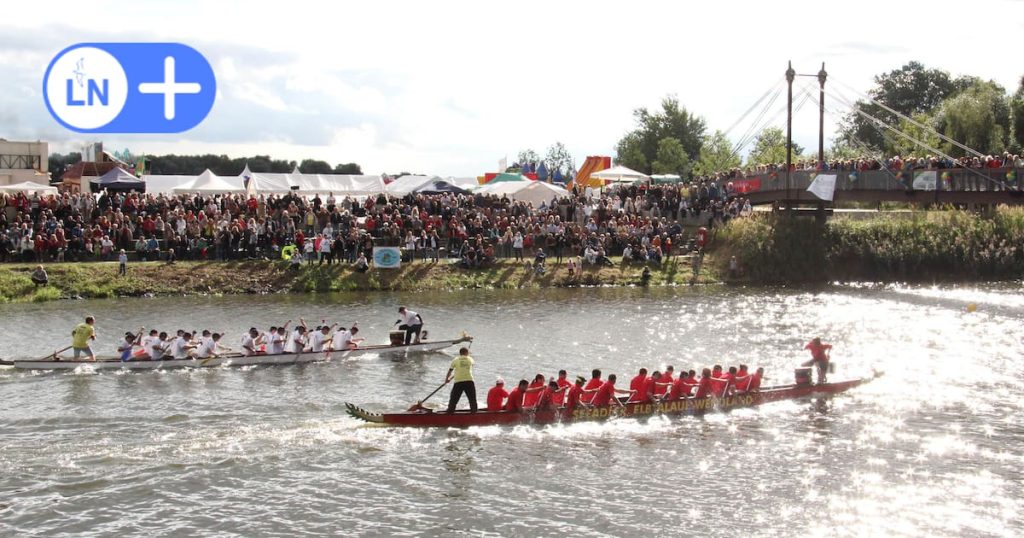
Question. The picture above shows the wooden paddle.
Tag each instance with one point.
(419, 405)
(53, 357)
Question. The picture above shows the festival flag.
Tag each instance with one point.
(387, 257)
(823, 186)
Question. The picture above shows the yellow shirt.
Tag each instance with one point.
(463, 368)
(81, 335)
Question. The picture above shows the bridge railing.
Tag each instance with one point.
(950, 179)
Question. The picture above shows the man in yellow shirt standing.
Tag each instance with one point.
(80, 337)
(462, 367)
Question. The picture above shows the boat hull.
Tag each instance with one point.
(688, 406)
(232, 360)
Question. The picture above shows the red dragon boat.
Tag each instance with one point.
(682, 407)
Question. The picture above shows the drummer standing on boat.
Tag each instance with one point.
(462, 367)
(80, 337)
(411, 323)
(819, 357)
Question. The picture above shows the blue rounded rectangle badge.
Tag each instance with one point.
(129, 87)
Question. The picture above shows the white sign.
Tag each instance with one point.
(924, 181)
(823, 186)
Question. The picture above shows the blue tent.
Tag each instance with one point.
(557, 178)
(542, 172)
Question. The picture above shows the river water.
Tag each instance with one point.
(935, 447)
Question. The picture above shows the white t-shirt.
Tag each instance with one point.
(342, 338)
(248, 343)
(155, 347)
(206, 349)
(316, 340)
(295, 342)
(276, 345)
(410, 318)
(178, 350)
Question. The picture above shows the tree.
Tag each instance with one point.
(716, 155)
(770, 147)
(672, 158)
(57, 164)
(558, 158)
(672, 121)
(1017, 111)
(911, 89)
(899, 145)
(527, 156)
(978, 117)
(628, 153)
(348, 168)
(312, 166)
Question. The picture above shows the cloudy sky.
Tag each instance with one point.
(449, 88)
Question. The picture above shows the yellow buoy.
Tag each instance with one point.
(971, 307)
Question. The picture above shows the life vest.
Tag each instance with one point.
(287, 251)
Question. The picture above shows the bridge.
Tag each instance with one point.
(969, 187)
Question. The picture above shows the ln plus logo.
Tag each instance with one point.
(129, 87)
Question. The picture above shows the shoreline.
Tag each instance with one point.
(99, 280)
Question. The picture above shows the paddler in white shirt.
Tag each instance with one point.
(209, 347)
(249, 346)
(346, 339)
(182, 346)
(276, 344)
(297, 340)
(319, 339)
(157, 347)
(147, 344)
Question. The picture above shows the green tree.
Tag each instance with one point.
(1017, 111)
(57, 164)
(911, 89)
(978, 117)
(313, 166)
(716, 155)
(671, 158)
(348, 168)
(527, 156)
(770, 147)
(899, 145)
(559, 158)
(628, 153)
(672, 121)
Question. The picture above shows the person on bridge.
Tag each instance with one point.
(819, 357)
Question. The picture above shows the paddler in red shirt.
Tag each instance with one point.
(819, 357)
(704, 388)
(637, 385)
(547, 396)
(590, 389)
(717, 381)
(755, 380)
(606, 394)
(564, 385)
(533, 391)
(575, 392)
(679, 388)
(515, 398)
(742, 379)
(650, 390)
(496, 396)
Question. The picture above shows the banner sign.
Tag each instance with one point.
(744, 186)
(823, 186)
(924, 181)
(387, 257)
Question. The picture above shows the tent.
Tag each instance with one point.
(408, 183)
(117, 179)
(620, 174)
(502, 178)
(439, 186)
(534, 192)
(467, 183)
(29, 187)
(165, 184)
(210, 183)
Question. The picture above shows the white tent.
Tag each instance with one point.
(467, 183)
(165, 184)
(620, 174)
(210, 183)
(535, 192)
(406, 184)
(29, 187)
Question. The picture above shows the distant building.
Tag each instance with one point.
(95, 162)
(24, 161)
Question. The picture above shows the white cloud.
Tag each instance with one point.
(450, 87)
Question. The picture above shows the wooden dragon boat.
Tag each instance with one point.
(686, 406)
(236, 359)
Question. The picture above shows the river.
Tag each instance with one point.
(934, 447)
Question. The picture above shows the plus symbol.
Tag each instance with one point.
(169, 88)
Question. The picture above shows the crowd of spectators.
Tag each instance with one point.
(645, 222)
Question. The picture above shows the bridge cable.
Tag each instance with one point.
(879, 124)
(763, 96)
(744, 139)
(920, 125)
(805, 96)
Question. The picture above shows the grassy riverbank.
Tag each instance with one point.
(934, 246)
(100, 280)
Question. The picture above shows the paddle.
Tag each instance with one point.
(419, 405)
(53, 357)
